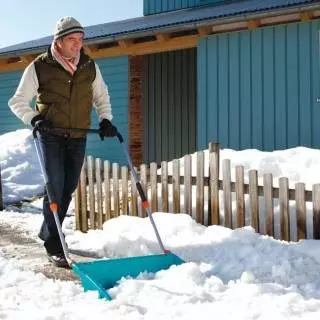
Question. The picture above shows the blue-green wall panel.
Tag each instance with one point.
(8, 83)
(115, 74)
(259, 88)
(158, 6)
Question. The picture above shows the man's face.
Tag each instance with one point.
(70, 45)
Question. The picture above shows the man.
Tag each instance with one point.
(66, 83)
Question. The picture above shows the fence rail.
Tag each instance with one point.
(105, 191)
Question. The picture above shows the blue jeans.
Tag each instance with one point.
(63, 159)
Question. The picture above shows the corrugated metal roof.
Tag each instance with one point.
(173, 19)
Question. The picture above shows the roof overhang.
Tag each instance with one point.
(167, 38)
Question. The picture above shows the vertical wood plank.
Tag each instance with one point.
(254, 199)
(268, 202)
(240, 204)
(144, 184)
(316, 210)
(227, 200)
(154, 186)
(134, 197)
(90, 164)
(124, 190)
(200, 188)
(176, 185)
(301, 211)
(187, 184)
(115, 189)
(77, 207)
(164, 187)
(284, 209)
(83, 191)
(107, 189)
(98, 173)
(214, 186)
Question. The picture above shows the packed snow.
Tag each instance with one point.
(227, 274)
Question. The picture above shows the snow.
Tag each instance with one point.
(228, 274)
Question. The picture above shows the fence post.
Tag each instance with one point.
(301, 211)
(284, 209)
(240, 196)
(316, 211)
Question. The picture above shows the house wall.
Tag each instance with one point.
(157, 6)
(115, 74)
(259, 88)
(169, 105)
(8, 84)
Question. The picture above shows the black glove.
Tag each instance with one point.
(42, 124)
(107, 129)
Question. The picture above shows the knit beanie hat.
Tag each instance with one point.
(65, 26)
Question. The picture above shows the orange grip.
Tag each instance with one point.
(54, 207)
(145, 204)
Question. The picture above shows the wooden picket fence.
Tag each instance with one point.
(106, 190)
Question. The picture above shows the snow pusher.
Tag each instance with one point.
(103, 274)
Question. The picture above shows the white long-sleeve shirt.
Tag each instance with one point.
(20, 103)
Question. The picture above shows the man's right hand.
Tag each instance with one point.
(42, 124)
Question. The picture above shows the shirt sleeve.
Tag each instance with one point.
(20, 103)
(101, 98)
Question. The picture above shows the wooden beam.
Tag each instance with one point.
(125, 43)
(204, 31)
(27, 58)
(306, 16)
(162, 37)
(253, 24)
(13, 66)
(90, 49)
(148, 47)
(280, 19)
(229, 27)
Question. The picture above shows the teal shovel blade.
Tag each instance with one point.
(102, 275)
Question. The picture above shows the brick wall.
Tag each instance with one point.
(135, 109)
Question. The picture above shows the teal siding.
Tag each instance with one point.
(259, 89)
(158, 6)
(115, 74)
(8, 84)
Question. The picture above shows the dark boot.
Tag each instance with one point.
(58, 260)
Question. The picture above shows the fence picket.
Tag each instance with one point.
(134, 197)
(107, 189)
(200, 188)
(124, 190)
(164, 187)
(115, 189)
(301, 210)
(144, 183)
(154, 186)
(284, 209)
(240, 204)
(254, 199)
(268, 203)
(99, 193)
(226, 176)
(83, 192)
(176, 185)
(92, 211)
(316, 211)
(187, 185)
(214, 187)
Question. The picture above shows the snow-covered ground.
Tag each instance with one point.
(228, 274)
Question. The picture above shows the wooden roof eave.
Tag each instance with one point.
(166, 39)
